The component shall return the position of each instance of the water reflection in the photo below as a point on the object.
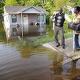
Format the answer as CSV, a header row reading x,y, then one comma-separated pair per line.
x,y
26,52
74,71
14,67
43,65
56,67
68,71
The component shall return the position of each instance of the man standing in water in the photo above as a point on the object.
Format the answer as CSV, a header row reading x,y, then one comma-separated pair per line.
x,y
59,21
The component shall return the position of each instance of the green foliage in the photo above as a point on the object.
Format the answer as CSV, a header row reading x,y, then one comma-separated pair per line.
x,y
1,7
48,6
10,2
1,4
1,10
77,2
2,33
21,2
36,2
59,3
31,2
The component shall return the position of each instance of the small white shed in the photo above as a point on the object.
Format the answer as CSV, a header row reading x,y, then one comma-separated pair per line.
x,y
27,19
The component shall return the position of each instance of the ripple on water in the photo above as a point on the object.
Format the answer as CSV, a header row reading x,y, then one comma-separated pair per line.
x,y
15,67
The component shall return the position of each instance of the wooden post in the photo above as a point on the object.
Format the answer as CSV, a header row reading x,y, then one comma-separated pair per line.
x,y
40,29
22,25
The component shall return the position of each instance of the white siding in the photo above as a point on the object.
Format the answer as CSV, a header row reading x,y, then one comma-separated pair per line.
x,y
19,19
7,24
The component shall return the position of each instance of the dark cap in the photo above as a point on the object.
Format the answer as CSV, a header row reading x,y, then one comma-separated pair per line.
x,y
76,9
60,10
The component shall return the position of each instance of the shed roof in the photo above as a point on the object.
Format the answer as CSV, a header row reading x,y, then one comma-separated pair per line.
x,y
20,9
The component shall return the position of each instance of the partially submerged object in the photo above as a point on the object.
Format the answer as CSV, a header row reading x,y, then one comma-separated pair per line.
x,y
68,53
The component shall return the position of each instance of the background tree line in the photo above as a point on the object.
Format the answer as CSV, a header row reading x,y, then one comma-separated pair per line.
x,y
48,5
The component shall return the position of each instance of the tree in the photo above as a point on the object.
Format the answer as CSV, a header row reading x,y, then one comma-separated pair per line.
x,y
32,2
48,6
10,2
21,2
77,2
1,6
60,3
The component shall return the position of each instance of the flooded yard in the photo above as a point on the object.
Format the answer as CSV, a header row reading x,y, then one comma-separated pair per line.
x,y
41,64
31,61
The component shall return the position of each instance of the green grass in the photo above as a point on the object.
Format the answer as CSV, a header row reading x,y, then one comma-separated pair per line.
x,y
2,33
2,37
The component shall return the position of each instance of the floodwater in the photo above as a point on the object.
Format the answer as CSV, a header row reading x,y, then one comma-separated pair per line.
x,y
42,64
37,66
13,66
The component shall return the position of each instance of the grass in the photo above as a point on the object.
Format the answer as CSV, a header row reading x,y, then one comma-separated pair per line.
x,y
2,33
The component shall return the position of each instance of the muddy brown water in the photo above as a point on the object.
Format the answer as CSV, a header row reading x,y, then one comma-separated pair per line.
x,y
13,66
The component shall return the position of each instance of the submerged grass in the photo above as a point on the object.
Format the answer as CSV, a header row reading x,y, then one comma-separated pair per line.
x,y
33,45
30,45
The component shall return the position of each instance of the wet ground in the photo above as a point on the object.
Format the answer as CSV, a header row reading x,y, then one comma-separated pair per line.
x,y
38,66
